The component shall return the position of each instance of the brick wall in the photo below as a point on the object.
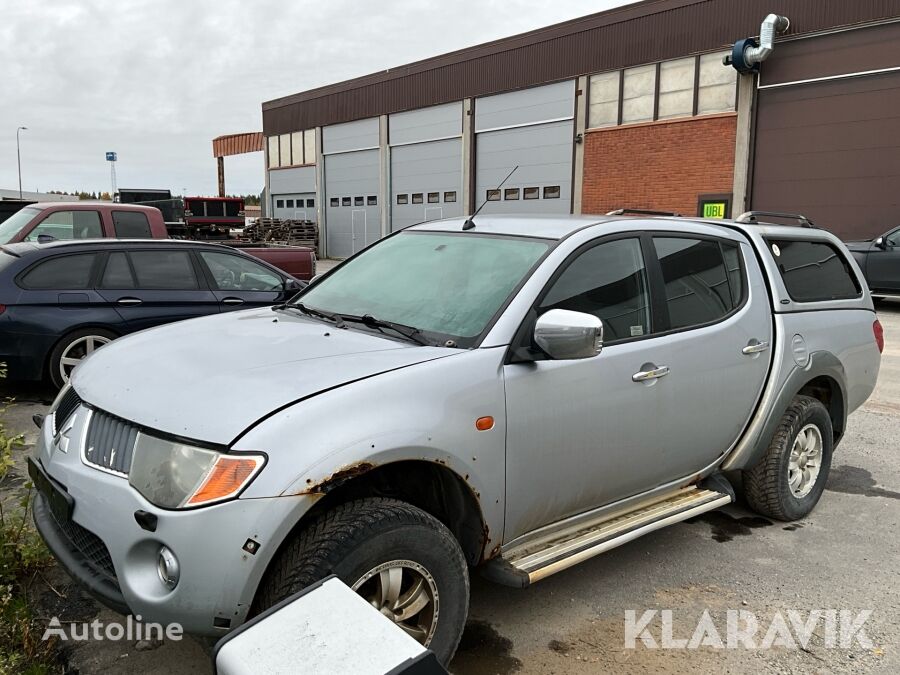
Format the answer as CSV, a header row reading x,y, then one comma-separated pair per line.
x,y
659,165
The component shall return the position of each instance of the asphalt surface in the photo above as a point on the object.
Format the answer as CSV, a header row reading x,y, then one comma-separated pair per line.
x,y
844,556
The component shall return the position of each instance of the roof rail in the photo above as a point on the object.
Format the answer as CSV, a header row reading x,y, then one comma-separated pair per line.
x,y
643,212
752,217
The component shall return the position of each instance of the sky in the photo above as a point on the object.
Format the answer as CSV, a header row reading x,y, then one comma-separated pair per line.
x,y
157,80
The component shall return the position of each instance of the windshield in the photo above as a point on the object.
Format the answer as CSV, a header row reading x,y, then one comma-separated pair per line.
x,y
449,286
10,227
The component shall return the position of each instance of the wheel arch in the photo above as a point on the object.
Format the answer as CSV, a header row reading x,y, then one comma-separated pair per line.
x,y
75,329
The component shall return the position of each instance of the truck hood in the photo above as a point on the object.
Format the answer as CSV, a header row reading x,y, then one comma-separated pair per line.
x,y
209,379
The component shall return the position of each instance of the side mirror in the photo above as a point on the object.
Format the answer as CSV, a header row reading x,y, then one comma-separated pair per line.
x,y
880,243
293,285
45,238
569,335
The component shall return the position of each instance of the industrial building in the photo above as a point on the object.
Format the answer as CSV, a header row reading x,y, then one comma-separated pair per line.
x,y
631,107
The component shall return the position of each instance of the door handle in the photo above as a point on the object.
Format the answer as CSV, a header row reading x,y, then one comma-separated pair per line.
x,y
129,301
654,374
232,301
755,347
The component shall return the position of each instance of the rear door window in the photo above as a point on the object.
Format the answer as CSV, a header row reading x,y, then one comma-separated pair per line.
x,y
131,225
63,273
700,289
64,225
164,270
814,271
117,275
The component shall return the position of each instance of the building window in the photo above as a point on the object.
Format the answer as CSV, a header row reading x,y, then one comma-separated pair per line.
x,y
551,192
511,194
603,108
335,202
718,85
449,197
309,146
310,203
297,147
358,201
403,199
371,200
532,193
289,204
434,197
638,93
676,88
418,198
345,201
284,149
493,195
273,152
279,203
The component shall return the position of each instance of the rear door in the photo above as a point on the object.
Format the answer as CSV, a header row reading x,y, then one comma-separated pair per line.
x,y
156,286
716,351
239,282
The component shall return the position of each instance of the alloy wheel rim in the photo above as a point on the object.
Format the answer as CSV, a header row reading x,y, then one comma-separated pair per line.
x,y
805,461
406,593
77,351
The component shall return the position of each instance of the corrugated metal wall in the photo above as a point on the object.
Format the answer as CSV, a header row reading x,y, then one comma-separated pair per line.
x,y
646,32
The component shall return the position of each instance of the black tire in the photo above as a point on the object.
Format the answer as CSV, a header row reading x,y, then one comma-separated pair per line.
x,y
766,485
353,538
53,363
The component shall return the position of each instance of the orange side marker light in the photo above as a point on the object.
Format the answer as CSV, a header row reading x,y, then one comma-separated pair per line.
x,y
484,423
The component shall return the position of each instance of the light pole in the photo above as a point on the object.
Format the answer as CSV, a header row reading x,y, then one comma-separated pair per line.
x,y
19,158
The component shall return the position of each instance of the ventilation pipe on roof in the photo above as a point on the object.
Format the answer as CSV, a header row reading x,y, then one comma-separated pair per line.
x,y
748,53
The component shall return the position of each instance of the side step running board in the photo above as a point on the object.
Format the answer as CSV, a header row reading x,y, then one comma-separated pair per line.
x,y
534,561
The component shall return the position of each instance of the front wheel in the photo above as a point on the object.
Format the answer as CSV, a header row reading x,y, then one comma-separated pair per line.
x,y
789,480
403,561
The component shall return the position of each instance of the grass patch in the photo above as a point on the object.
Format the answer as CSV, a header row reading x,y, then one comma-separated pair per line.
x,y
22,557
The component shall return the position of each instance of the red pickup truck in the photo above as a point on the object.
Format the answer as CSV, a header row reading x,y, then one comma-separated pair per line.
x,y
51,221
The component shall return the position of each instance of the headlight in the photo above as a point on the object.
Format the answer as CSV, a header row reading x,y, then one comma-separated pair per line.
x,y
174,475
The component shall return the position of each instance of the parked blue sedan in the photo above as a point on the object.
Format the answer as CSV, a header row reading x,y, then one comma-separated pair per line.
x,y
60,301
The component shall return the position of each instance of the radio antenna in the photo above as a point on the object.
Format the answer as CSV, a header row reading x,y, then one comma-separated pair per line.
x,y
470,221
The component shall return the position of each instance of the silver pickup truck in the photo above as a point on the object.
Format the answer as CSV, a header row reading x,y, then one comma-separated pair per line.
x,y
514,394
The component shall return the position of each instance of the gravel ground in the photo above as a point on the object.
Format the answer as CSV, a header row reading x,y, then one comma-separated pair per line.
x,y
844,556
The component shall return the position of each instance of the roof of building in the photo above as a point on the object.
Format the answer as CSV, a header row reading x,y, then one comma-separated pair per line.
x,y
643,32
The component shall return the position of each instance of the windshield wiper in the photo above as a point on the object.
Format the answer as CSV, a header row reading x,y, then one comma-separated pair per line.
x,y
409,332
336,319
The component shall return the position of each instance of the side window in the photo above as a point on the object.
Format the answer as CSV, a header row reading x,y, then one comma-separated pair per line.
x,y
117,274
63,273
814,271
610,282
698,290
68,225
131,225
234,272
164,270
893,239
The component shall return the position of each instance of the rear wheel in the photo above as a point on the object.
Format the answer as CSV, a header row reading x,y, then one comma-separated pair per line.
x,y
72,349
789,480
403,561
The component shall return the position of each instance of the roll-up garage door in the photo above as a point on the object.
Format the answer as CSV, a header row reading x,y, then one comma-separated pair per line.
x,y
426,182
830,149
534,130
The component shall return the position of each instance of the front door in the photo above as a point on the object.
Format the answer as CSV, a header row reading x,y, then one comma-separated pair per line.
x,y
883,265
240,283
670,392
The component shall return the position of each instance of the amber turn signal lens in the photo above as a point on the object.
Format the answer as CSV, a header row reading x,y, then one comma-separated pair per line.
x,y
484,423
227,477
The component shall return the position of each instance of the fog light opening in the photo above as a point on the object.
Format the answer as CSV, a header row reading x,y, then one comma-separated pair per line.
x,y
167,568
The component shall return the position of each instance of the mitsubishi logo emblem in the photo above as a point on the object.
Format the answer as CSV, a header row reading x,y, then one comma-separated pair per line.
x,y
62,439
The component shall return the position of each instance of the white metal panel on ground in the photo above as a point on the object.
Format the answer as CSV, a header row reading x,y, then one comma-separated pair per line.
x,y
352,211
527,106
543,181
359,135
427,124
426,182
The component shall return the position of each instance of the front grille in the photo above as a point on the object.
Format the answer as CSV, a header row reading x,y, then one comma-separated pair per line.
x,y
68,405
90,546
110,443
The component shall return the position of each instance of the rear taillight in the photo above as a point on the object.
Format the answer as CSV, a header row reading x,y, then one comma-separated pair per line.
x,y
879,335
